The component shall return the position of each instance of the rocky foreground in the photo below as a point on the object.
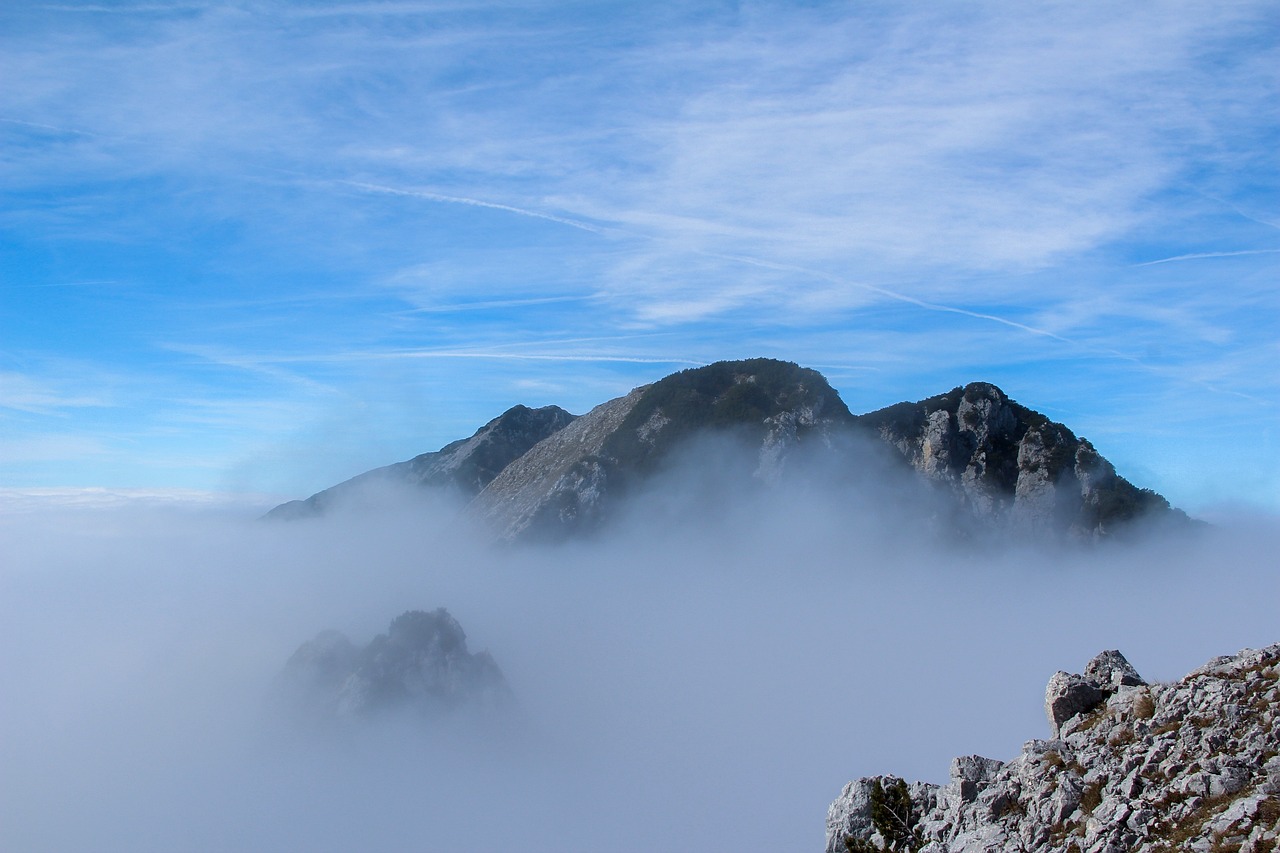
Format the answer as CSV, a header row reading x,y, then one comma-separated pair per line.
x,y
1130,766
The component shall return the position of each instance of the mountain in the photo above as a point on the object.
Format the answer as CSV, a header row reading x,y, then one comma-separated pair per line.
x,y
1129,766
977,458
420,665
465,466
570,482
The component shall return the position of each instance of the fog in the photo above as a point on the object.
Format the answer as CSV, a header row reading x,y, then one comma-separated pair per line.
x,y
703,675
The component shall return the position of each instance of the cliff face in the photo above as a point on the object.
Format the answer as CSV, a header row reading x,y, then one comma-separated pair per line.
x,y
1130,766
1007,462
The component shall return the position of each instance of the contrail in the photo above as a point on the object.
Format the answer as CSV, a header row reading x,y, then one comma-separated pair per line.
x,y
475,202
894,295
1198,255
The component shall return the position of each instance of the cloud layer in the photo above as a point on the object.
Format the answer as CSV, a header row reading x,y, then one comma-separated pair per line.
x,y
700,685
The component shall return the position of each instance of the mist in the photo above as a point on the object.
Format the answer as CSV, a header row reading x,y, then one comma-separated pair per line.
x,y
703,674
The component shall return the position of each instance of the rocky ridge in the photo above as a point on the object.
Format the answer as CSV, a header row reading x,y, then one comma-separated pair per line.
x,y
421,666
993,465
1129,766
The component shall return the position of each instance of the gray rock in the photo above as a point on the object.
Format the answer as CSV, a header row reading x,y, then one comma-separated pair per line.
x,y
421,665
1110,668
1068,695
1209,780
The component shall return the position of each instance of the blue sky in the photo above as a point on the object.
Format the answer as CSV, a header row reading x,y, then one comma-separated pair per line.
x,y
259,247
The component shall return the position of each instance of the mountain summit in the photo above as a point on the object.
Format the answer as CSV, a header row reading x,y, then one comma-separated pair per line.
x,y
542,473
569,482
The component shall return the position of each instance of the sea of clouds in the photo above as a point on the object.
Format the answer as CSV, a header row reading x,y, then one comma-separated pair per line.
x,y
705,674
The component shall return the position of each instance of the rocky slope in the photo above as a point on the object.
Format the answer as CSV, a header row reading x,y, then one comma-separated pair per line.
x,y
465,466
1129,766
421,666
1003,460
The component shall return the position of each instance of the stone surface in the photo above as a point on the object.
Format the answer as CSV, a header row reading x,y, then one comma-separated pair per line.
x,y
1152,768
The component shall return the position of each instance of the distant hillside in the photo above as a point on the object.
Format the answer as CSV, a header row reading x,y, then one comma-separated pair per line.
x,y
463,467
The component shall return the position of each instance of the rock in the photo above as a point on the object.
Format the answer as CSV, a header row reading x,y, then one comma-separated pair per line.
x,y
1152,768
1012,465
1069,695
1110,668
421,665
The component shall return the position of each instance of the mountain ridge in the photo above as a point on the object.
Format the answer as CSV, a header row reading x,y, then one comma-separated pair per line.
x,y
996,461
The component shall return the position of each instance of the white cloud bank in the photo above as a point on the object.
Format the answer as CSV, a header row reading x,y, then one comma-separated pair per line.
x,y
707,688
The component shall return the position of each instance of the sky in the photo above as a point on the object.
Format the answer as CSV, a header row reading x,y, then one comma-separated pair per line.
x,y
254,248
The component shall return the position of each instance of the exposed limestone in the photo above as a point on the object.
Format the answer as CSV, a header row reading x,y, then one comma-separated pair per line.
x,y
1147,768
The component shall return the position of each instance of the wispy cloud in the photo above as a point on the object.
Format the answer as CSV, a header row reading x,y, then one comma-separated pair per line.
x,y
1195,256
291,185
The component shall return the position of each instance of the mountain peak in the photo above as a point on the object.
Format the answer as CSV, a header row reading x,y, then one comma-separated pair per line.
x,y
569,483
1005,460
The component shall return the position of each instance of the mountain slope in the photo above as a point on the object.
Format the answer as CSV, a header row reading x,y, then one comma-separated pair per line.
x,y
465,466
1130,766
570,482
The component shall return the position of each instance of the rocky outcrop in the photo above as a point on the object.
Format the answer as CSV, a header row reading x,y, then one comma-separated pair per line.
x,y
421,666
463,467
1130,766
1013,465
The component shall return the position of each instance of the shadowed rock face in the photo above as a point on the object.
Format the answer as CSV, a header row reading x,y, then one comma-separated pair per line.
x,y
1130,767
420,665
463,467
